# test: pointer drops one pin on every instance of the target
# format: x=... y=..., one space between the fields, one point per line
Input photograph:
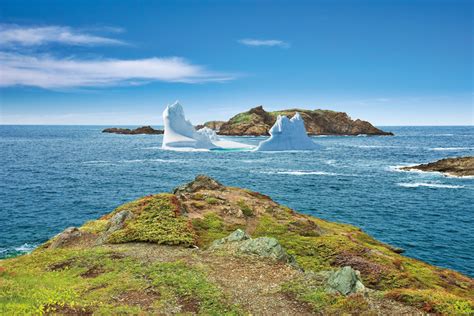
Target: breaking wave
x=429 y=185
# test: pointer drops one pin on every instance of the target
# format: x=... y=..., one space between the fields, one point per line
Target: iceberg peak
x=180 y=133
x=288 y=134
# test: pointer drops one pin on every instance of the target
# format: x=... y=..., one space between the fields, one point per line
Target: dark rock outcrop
x=459 y=167
x=257 y=122
x=140 y=130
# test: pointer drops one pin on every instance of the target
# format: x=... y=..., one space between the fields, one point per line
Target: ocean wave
x=302 y=173
x=429 y=185
x=451 y=148
x=25 y=248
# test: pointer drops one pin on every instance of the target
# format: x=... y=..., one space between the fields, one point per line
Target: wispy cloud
x=260 y=42
x=49 y=72
x=15 y=35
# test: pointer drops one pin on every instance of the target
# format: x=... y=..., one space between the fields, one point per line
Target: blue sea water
x=53 y=177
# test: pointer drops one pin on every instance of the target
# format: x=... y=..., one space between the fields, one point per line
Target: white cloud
x=49 y=72
x=259 y=42
x=15 y=35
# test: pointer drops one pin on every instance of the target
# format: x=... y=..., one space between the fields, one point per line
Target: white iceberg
x=288 y=134
x=180 y=133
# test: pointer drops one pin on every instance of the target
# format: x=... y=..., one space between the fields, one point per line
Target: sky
x=121 y=62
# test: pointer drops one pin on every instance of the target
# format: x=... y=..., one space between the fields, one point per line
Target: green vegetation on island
x=257 y=122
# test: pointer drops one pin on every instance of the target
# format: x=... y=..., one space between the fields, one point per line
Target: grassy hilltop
x=159 y=255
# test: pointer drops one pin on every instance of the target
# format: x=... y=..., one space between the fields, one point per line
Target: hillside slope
x=164 y=254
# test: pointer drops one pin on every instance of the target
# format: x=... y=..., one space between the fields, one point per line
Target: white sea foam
x=302 y=173
x=26 y=247
x=451 y=148
x=429 y=185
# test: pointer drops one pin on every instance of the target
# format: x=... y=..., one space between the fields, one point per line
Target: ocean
x=54 y=177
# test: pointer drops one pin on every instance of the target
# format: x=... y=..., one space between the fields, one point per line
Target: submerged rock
x=345 y=281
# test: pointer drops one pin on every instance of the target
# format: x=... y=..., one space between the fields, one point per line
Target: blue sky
x=121 y=62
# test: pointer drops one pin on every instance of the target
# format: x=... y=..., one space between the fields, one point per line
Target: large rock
x=68 y=236
x=345 y=281
x=459 y=166
x=201 y=182
x=257 y=122
x=117 y=222
x=239 y=242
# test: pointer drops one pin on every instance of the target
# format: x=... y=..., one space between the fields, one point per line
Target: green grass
x=212 y=201
x=210 y=228
x=434 y=301
x=157 y=220
x=246 y=210
x=177 y=282
x=53 y=281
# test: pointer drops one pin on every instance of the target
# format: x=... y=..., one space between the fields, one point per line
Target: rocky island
x=257 y=122
x=210 y=249
x=140 y=130
x=459 y=166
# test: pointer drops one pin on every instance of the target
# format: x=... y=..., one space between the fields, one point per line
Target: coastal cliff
x=457 y=166
x=257 y=122
x=207 y=248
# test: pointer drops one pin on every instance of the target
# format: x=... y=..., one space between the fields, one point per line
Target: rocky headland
x=458 y=166
x=210 y=249
x=257 y=122
x=140 y=130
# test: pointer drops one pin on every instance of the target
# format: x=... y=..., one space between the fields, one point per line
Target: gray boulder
x=117 y=222
x=345 y=281
x=239 y=242
x=237 y=235
x=65 y=238
x=201 y=182
x=264 y=247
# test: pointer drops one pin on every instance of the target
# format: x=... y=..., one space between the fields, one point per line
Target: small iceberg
x=288 y=134
x=180 y=134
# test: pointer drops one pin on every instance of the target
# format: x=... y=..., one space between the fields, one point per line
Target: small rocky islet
x=207 y=249
x=455 y=166
x=257 y=122
x=137 y=131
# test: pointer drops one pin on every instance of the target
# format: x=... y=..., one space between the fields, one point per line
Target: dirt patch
x=93 y=272
x=189 y=304
x=67 y=310
x=117 y=256
x=143 y=299
x=58 y=266
x=255 y=284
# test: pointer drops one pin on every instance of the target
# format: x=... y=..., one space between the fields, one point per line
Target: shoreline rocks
x=148 y=130
x=457 y=166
